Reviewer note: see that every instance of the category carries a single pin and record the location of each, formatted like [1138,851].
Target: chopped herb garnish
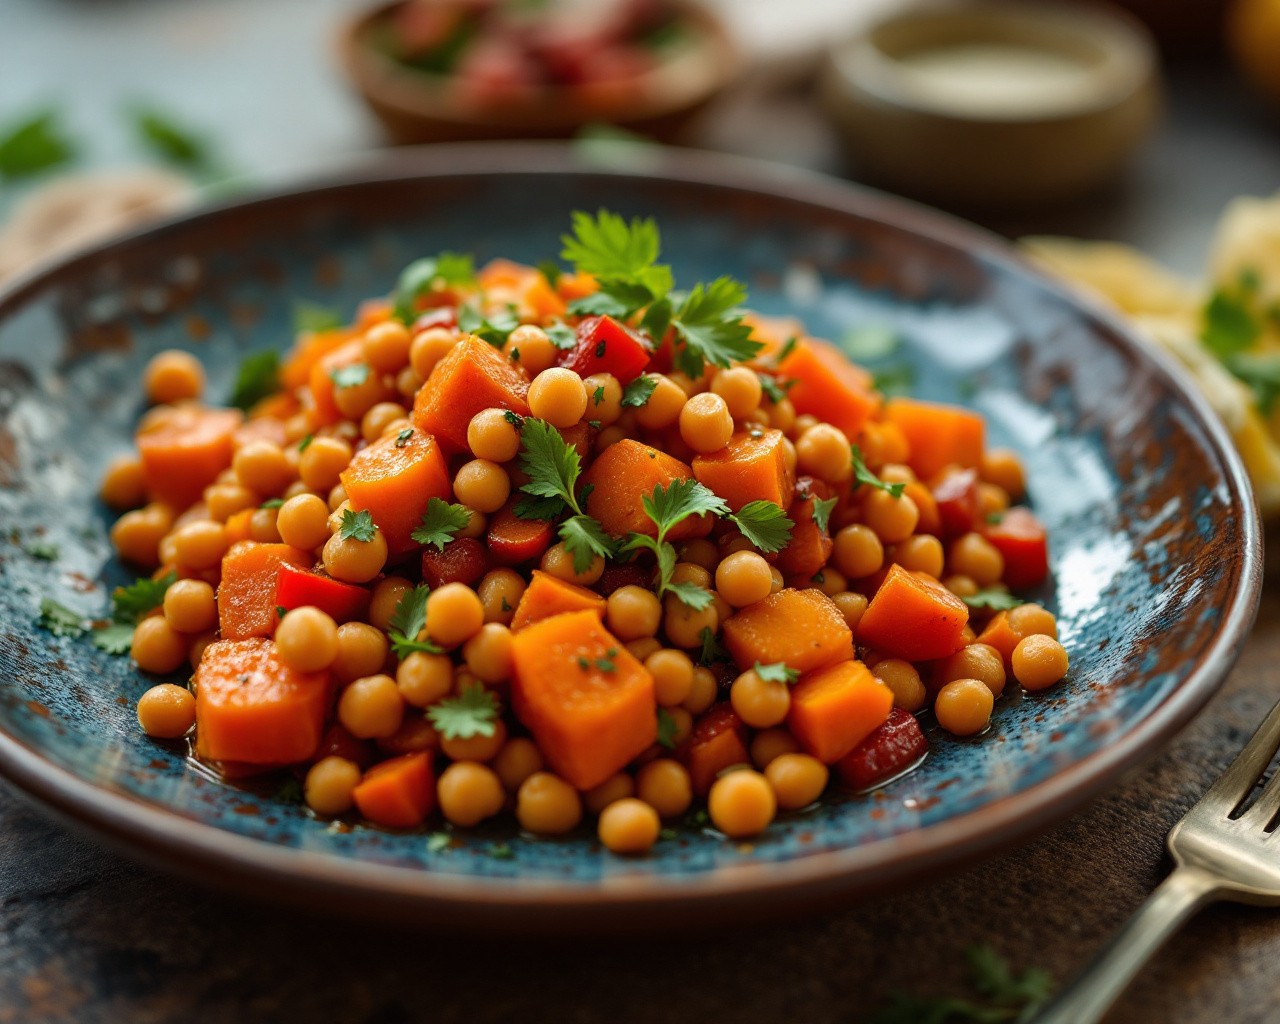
[257,378]
[357,525]
[871,341]
[514,419]
[171,143]
[311,318]
[289,791]
[281,611]
[788,347]
[597,396]
[667,507]
[501,851]
[712,650]
[863,475]
[60,620]
[667,729]
[995,518]
[993,598]
[271,503]
[42,550]
[115,638]
[305,443]
[774,389]
[894,380]
[550,271]
[421,277]
[37,144]
[438,842]
[350,376]
[822,509]
[407,623]
[776,672]
[562,336]
[637,392]
[473,712]
[441,522]
[765,524]
[666,835]
[494,329]
[131,603]
[1228,326]
[1261,371]
[402,438]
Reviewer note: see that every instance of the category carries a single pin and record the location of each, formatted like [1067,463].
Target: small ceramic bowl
[414,106]
[994,104]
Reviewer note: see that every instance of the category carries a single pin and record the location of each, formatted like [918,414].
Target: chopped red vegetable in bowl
[571,543]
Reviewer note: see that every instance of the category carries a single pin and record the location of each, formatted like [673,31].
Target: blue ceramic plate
[1154,536]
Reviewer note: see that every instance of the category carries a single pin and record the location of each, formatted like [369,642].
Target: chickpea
[778,582]
[690,572]
[975,661]
[516,761]
[492,436]
[892,519]
[961,586]
[632,613]
[705,423]
[307,639]
[992,500]
[321,462]
[157,647]
[823,451]
[615,788]
[700,551]
[371,708]
[897,473]
[604,398]
[225,500]
[1030,619]
[262,526]
[744,578]
[963,706]
[769,744]
[355,399]
[663,406]
[903,679]
[740,388]
[1002,467]
[804,422]
[797,780]
[858,552]
[200,545]
[672,673]
[468,793]
[852,605]
[782,416]
[428,347]
[199,645]
[681,725]
[482,485]
[303,522]
[330,785]
[362,651]
[741,803]
[380,417]
[454,614]
[424,678]
[976,557]
[529,346]
[478,748]
[386,346]
[354,561]
[338,500]
[684,625]
[387,594]
[665,786]
[477,524]
[642,648]
[830,581]
[558,396]
[759,703]
[920,553]
[546,805]
[189,606]
[628,826]
[608,436]
[124,484]
[173,376]
[136,535]
[490,653]
[559,563]
[262,467]
[500,591]
[1039,661]
[166,712]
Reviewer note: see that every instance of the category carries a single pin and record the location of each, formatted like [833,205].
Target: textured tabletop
[89,935]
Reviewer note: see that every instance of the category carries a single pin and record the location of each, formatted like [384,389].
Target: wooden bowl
[415,106]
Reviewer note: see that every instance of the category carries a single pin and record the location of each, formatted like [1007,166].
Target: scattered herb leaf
[429,274]
[438,842]
[357,525]
[171,143]
[257,378]
[36,144]
[473,712]
[42,551]
[402,438]
[990,597]
[271,503]
[765,524]
[407,623]
[777,672]
[712,650]
[441,523]
[349,376]
[822,512]
[60,620]
[495,329]
[864,476]
[869,342]
[312,318]
[637,392]
[667,729]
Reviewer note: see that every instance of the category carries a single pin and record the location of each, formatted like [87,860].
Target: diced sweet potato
[938,435]
[395,480]
[718,740]
[183,449]
[309,349]
[835,708]
[751,467]
[913,617]
[473,376]
[548,595]
[588,702]
[398,793]
[828,386]
[809,547]
[320,381]
[247,593]
[623,474]
[802,628]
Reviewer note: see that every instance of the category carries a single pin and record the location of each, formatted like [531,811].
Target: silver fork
[1219,854]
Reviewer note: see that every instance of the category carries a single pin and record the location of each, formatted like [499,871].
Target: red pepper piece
[513,540]
[1023,541]
[956,495]
[607,346]
[462,561]
[441,316]
[890,750]
[343,602]
[718,740]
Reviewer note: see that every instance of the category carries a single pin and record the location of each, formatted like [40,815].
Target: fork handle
[1087,998]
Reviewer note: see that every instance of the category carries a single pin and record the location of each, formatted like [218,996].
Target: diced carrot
[320,380]
[833,709]
[247,593]
[372,311]
[623,474]
[548,595]
[183,449]
[809,547]
[309,349]
[398,793]
[587,700]
[513,540]
[504,273]
[473,376]
[576,286]
[463,560]
[238,526]
[279,406]
[579,436]
[913,617]
[752,466]
[955,493]
[1023,541]
[253,708]
[539,301]
[262,428]
[937,435]
[718,740]
[802,628]
[828,386]
[999,634]
[773,332]
[395,480]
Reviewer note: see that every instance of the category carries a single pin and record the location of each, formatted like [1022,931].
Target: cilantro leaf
[473,712]
[546,509]
[553,465]
[357,525]
[776,672]
[994,598]
[1227,325]
[495,329]
[407,623]
[712,650]
[822,512]
[501,851]
[765,524]
[863,475]
[271,503]
[35,145]
[349,376]
[550,271]
[992,977]
[562,336]
[607,246]
[615,298]
[669,506]
[440,523]
[257,378]
[312,318]
[438,842]
[402,438]
[42,551]
[584,538]
[711,327]
[129,604]
[637,392]
[690,594]
[667,729]
[1008,997]
[60,620]
[429,274]
[772,389]
[175,145]
[115,638]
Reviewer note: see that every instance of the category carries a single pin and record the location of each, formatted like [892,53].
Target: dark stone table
[87,935]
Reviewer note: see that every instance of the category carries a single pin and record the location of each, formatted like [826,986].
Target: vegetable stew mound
[567,542]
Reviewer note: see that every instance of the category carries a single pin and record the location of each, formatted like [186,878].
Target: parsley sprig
[357,525]
[432,273]
[553,466]
[777,672]
[441,523]
[993,598]
[862,475]
[407,623]
[473,712]
[129,605]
